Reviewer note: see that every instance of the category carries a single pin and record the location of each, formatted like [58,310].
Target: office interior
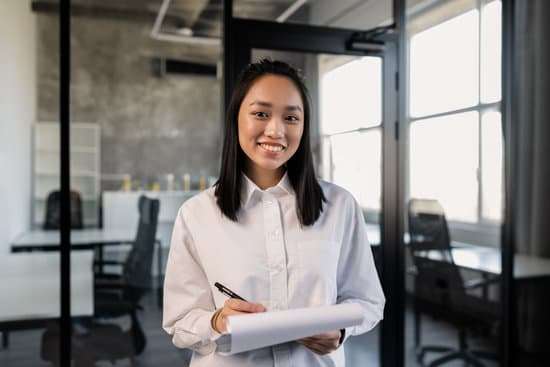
[430,112]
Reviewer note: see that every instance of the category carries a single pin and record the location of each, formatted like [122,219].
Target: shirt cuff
[198,336]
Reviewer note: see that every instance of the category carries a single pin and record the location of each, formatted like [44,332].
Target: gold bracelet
[214,319]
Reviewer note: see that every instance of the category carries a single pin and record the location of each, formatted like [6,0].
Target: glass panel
[359,176]
[492,166]
[453,247]
[443,156]
[444,66]
[29,278]
[343,95]
[351,160]
[491,52]
[145,120]
[363,15]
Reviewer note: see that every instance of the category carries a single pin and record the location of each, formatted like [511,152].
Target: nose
[275,128]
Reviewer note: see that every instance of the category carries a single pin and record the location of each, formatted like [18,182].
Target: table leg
[5,339]
[100,258]
[485,288]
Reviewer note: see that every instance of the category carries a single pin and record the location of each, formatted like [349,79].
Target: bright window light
[444,156]
[492,165]
[444,66]
[357,165]
[351,96]
[491,52]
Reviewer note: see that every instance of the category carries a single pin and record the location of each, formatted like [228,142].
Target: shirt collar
[249,188]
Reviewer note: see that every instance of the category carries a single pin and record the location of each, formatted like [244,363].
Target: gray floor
[24,349]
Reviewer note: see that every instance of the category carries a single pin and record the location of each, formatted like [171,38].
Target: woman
[269,231]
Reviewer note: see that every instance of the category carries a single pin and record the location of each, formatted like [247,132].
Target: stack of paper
[258,330]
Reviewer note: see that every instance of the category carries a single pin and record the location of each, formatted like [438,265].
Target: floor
[24,349]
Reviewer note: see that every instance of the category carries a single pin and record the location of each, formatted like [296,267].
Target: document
[258,330]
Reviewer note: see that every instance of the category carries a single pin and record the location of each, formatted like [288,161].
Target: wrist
[214,320]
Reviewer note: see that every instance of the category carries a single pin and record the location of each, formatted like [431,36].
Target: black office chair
[53,210]
[440,290]
[117,295]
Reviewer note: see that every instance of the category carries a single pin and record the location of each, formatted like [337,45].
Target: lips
[272,147]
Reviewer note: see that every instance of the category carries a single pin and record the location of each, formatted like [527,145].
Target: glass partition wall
[145,137]
[454,183]
[29,225]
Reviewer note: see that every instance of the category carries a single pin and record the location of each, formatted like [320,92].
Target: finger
[316,348]
[331,344]
[243,306]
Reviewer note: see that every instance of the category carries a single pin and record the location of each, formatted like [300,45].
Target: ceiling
[202,17]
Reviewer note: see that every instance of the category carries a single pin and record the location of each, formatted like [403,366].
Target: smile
[272,148]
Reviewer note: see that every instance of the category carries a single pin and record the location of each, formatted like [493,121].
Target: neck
[265,178]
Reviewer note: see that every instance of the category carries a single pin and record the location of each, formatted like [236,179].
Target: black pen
[228,292]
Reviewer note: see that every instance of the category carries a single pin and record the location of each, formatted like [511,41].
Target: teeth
[272,148]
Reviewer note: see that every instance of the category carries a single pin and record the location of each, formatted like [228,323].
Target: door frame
[243,35]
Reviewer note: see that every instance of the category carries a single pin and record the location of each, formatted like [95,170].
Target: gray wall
[17,113]
[149,126]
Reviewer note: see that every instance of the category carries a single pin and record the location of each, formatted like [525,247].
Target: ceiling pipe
[156,32]
[290,11]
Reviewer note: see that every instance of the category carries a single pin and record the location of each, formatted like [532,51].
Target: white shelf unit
[85,168]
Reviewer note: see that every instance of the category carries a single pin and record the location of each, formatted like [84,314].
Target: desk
[81,239]
[488,260]
[30,288]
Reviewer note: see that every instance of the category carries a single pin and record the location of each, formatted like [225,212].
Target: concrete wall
[17,113]
[149,126]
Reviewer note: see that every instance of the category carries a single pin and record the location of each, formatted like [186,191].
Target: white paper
[258,330]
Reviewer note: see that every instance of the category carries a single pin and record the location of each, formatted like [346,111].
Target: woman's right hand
[233,306]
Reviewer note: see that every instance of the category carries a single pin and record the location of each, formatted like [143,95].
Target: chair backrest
[437,281]
[137,268]
[427,225]
[53,210]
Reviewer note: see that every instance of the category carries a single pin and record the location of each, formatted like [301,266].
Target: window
[351,115]
[455,124]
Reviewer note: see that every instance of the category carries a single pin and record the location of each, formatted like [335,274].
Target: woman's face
[270,123]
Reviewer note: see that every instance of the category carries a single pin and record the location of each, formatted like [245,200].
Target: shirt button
[268,202]
[275,233]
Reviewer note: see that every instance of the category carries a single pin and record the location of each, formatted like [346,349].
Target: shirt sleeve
[188,302]
[358,280]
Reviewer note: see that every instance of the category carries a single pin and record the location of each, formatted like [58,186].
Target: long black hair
[300,170]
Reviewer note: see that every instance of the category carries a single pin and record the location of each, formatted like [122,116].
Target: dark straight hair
[300,170]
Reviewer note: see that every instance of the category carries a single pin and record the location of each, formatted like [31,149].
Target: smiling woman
[270,127]
[270,231]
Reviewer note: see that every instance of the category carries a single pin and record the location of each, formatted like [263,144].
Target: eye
[292,119]
[260,114]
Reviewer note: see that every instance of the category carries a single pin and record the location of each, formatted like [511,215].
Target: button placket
[276,253]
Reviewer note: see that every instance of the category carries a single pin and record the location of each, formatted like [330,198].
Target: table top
[40,238]
[488,260]
[32,283]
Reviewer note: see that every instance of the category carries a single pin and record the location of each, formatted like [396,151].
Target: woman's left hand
[322,343]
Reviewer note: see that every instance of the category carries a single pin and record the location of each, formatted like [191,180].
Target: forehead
[275,89]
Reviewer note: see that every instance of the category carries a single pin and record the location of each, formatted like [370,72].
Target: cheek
[295,138]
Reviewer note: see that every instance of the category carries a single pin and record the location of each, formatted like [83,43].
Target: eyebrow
[267,104]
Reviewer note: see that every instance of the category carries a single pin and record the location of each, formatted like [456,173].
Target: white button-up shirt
[267,257]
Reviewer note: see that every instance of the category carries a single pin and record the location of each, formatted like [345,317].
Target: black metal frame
[65,213]
[510,129]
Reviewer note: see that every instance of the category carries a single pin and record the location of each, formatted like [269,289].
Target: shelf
[90,174]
